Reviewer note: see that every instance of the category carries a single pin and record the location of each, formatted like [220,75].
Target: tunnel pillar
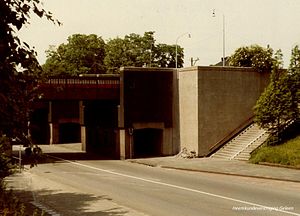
[122,144]
[54,133]
[54,127]
[82,126]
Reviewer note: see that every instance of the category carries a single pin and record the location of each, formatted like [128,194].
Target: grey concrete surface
[222,166]
[56,198]
[120,188]
[111,187]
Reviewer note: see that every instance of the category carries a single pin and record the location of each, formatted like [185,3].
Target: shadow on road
[62,203]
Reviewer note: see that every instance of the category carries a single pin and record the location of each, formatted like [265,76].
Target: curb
[278,165]
[230,174]
[143,163]
[213,172]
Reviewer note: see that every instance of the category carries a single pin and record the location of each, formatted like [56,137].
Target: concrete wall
[149,100]
[226,97]
[188,108]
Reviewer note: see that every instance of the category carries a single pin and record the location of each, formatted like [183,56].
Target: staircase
[240,147]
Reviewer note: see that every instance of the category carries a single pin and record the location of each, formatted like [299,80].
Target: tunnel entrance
[147,142]
[69,133]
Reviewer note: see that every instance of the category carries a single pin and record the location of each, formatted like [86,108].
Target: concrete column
[82,126]
[54,130]
[54,133]
[168,143]
[83,138]
[51,133]
[175,131]
[50,118]
[122,144]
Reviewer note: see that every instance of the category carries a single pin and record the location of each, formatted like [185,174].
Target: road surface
[107,187]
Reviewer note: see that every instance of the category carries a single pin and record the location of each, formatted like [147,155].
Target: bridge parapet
[103,81]
[82,87]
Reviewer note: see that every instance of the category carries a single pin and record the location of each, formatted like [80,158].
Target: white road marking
[182,188]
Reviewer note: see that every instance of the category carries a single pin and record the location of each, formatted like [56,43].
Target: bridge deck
[81,88]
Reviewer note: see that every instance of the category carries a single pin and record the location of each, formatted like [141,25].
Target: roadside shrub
[5,161]
[9,203]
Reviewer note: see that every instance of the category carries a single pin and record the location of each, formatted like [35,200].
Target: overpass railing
[103,81]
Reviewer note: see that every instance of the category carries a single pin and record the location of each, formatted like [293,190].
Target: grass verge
[287,153]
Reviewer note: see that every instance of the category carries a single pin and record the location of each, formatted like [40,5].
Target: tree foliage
[165,56]
[89,54]
[276,108]
[5,166]
[19,71]
[294,74]
[133,50]
[82,54]
[19,68]
[257,57]
[140,51]
[18,65]
[278,105]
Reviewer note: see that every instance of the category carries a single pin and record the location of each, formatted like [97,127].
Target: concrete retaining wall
[214,101]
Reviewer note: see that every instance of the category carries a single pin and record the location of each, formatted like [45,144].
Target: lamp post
[176,55]
[223,60]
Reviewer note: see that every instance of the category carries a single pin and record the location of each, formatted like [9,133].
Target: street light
[214,15]
[189,35]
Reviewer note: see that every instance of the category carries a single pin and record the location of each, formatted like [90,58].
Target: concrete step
[231,151]
[243,144]
[221,154]
[220,157]
[240,141]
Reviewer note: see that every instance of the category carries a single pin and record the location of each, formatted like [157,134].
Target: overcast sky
[263,22]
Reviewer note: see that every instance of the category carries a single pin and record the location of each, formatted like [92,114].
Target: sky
[247,22]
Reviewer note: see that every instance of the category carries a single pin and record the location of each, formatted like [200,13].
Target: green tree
[256,57]
[140,51]
[81,55]
[278,106]
[19,68]
[295,59]
[294,73]
[275,109]
[19,71]
[134,50]
[165,56]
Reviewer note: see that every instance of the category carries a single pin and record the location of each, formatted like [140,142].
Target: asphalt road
[89,187]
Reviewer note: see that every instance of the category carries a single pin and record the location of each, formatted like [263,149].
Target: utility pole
[176,55]
[193,62]
[224,41]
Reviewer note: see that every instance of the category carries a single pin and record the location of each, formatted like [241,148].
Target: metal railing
[81,82]
[231,135]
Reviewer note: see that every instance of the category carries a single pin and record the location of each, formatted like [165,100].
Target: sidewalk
[227,167]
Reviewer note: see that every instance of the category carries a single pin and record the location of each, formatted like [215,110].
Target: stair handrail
[231,135]
[249,144]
